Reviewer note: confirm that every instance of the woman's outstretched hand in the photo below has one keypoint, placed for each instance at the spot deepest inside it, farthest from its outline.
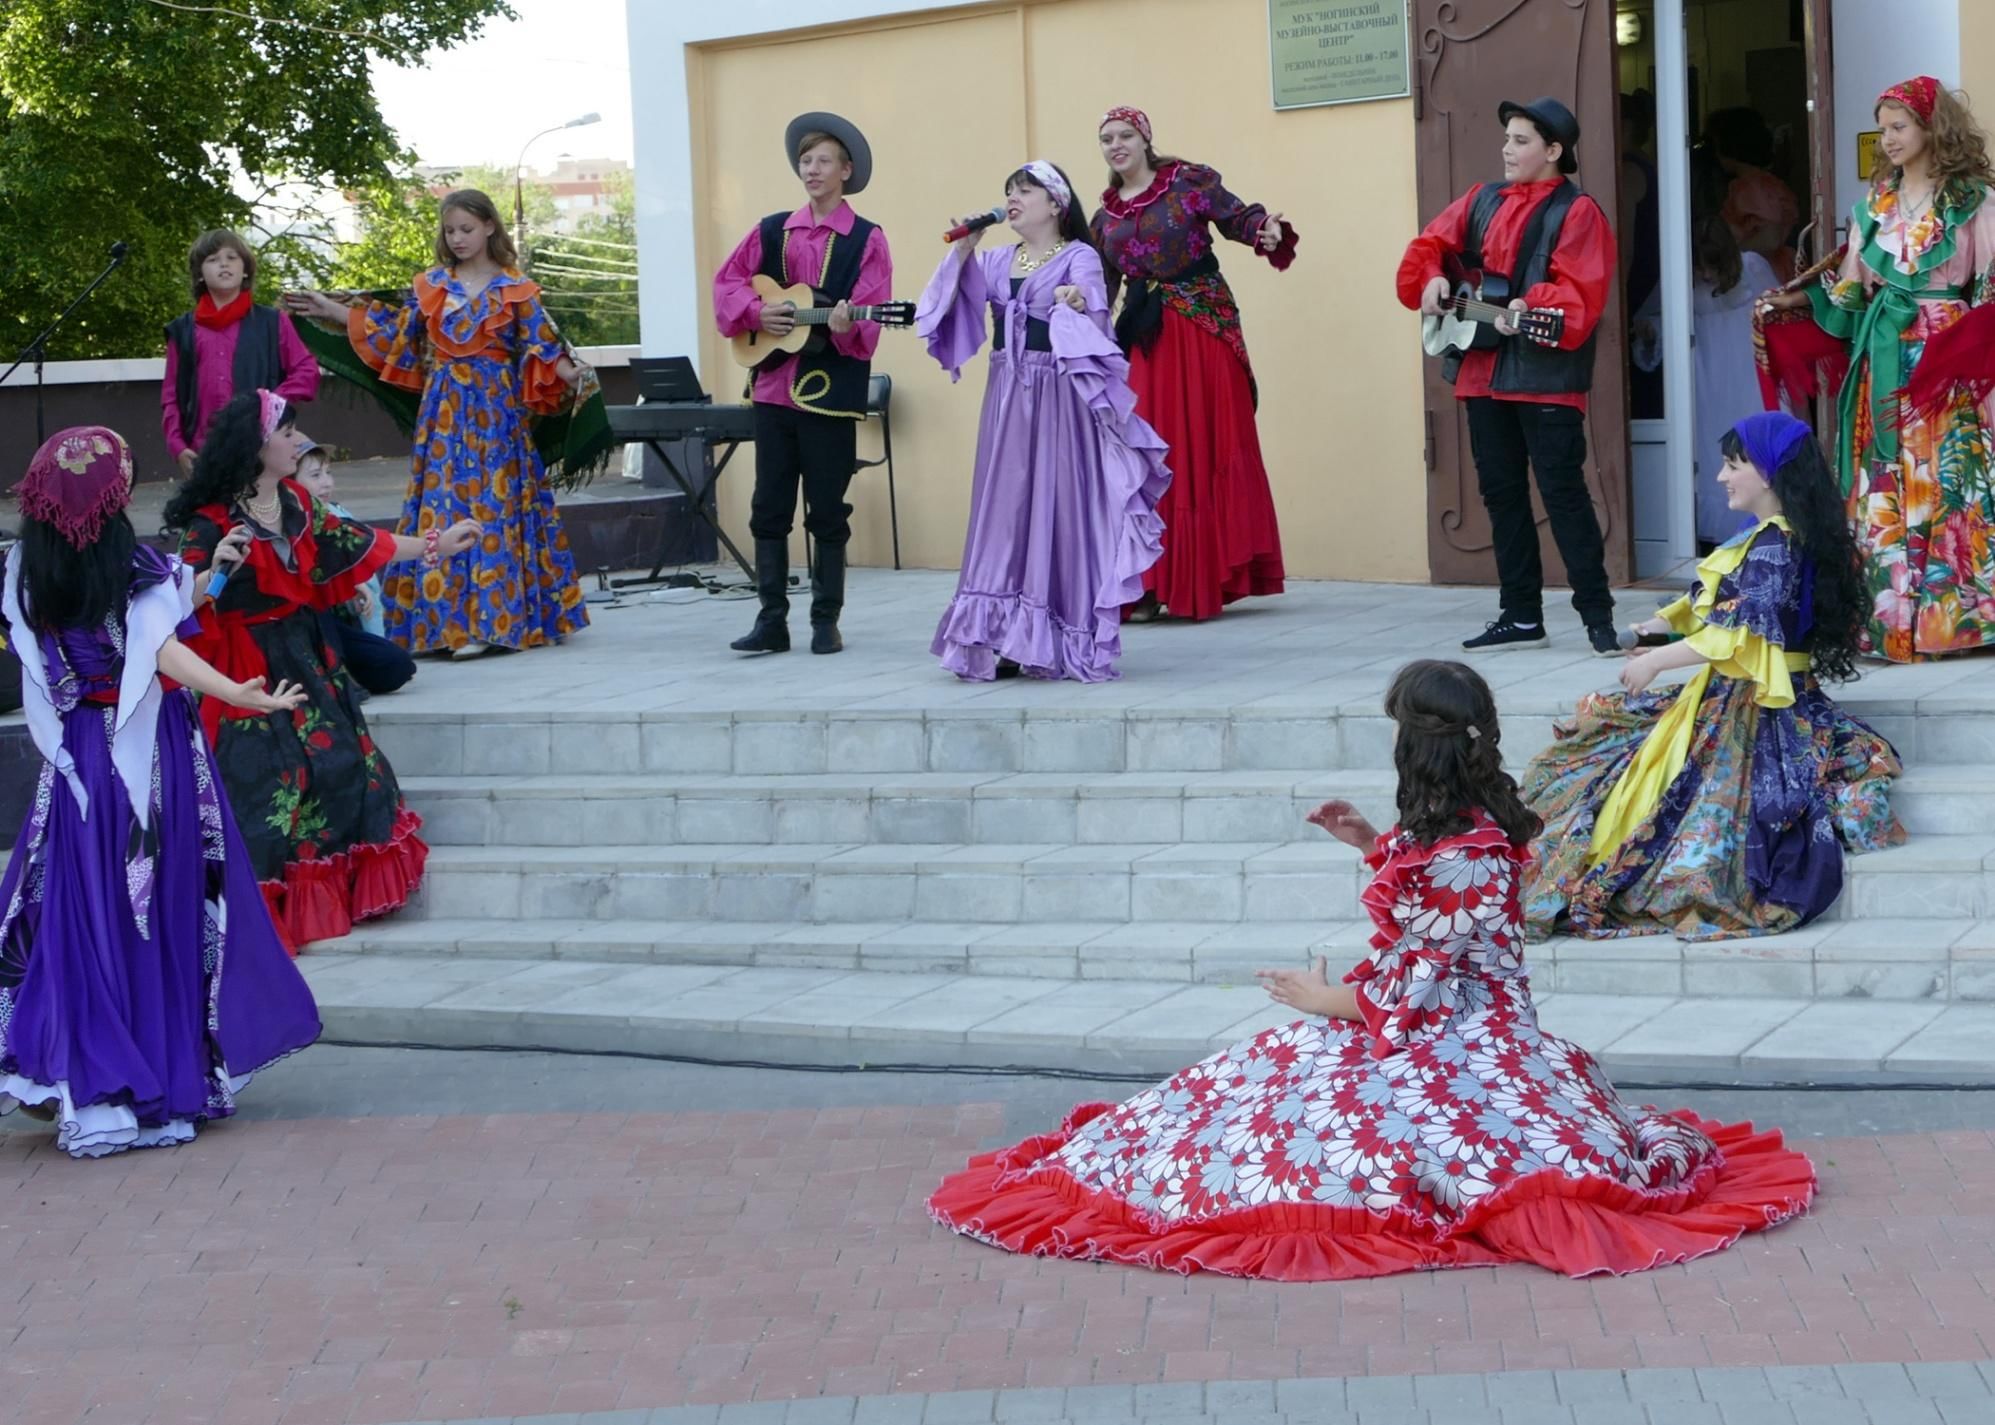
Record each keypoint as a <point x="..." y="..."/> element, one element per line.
<point x="459" y="537"/>
<point x="253" y="695"/>
<point x="1342" y="821"/>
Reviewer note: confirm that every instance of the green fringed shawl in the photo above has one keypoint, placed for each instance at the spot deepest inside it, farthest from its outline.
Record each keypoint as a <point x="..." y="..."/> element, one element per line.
<point x="575" y="444"/>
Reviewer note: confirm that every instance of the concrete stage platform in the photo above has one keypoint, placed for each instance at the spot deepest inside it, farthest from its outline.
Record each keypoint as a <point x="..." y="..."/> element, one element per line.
<point x="644" y="842"/>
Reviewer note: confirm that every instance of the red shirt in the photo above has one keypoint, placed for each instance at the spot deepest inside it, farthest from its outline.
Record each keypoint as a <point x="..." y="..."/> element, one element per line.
<point x="1580" y="283"/>
<point x="737" y="308"/>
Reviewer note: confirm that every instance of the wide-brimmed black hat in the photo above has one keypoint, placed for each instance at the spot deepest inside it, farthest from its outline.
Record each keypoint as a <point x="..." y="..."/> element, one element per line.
<point x="845" y="131"/>
<point x="1554" y="120"/>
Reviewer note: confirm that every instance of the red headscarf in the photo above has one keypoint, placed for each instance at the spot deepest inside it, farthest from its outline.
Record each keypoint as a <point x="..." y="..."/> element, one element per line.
<point x="1919" y="95"/>
<point x="78" y="480"/>
<point x="1135" y="118"/>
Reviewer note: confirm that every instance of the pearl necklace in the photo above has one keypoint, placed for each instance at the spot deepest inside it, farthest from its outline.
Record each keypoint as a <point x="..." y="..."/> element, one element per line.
<point x="1028" y="263"/>
<point x="266" y="514"/>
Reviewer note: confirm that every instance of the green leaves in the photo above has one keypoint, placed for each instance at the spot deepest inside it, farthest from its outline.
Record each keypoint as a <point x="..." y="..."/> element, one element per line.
<point x="128" y="120"/>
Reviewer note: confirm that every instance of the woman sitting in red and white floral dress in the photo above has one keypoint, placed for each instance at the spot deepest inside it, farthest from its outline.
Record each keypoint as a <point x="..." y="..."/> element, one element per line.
<point x="1416" y="1117"/>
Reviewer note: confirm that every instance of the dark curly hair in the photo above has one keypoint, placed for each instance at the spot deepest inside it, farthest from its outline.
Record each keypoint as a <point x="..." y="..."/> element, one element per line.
<point x="230" y="460"/>
<point x="1813" y="503"/>
<point x="1449" y="755"/>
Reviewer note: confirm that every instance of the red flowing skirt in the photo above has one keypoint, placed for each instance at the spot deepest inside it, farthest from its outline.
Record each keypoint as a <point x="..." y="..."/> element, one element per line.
<point x="1022" y="1200"/>
<point x="1221" y="542"/>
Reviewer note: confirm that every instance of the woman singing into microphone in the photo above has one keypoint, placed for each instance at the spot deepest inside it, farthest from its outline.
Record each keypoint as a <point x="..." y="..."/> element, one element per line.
<point x="1063" y="505"/>
<point x="1188" y="365"/>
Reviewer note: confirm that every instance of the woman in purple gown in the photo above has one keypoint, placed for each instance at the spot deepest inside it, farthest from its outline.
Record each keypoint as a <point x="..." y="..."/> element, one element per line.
<point x="1063" y="504"/>
<point x="141" y="981"/>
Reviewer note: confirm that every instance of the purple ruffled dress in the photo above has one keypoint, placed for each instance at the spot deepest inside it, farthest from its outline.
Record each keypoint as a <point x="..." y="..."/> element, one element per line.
<point x="1063" y="505"/>
<point x="141" y="980"/>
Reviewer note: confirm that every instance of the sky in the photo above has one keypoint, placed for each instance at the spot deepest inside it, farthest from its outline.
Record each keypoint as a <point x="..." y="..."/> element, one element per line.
<point x="478" y="103"/>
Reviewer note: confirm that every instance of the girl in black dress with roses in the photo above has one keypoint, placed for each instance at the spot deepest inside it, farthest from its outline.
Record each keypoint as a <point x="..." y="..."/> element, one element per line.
<point x="328" y="836"/>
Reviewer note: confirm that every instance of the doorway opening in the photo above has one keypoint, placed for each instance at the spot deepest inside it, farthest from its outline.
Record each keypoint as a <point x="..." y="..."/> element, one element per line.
<point x="1724" y="109"/>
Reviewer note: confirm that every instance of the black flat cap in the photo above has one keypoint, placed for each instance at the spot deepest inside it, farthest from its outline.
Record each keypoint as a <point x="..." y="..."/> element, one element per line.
<point x="1554" y="120"/>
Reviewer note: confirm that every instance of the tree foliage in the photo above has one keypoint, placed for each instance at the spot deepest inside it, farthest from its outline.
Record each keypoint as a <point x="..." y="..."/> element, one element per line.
<point x="129" y="120"/>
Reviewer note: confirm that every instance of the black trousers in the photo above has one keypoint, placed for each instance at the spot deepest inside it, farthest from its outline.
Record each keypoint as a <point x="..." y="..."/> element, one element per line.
<point x="1510" y="439"/>
<point x="378" y="664"/>
<point x="820" y="452"/>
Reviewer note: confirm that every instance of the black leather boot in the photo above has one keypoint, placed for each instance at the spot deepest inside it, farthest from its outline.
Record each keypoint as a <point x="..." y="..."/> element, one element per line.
<point x="771" y="633"/>
<point x="827" y="599"/>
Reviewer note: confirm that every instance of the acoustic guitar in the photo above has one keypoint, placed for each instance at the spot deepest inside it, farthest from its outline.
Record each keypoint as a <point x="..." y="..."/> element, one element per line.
<point x="756" y="349"/>
<point x="1469" y="316"/>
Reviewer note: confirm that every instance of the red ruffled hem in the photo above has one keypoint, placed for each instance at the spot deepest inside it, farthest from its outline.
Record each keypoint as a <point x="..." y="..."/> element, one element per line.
<point x="322" y="899"/>
<point x="1575" y="1226"/>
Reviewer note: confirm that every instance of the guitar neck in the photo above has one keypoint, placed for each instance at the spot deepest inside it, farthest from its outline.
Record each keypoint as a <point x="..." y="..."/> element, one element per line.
<point x="818" y="316"/>
<point x="1476" y="311"/>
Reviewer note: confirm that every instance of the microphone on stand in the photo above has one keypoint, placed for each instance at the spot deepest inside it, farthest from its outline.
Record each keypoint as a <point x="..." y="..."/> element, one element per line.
<point x="118" y="251"/>
<point x="976" y="224"/>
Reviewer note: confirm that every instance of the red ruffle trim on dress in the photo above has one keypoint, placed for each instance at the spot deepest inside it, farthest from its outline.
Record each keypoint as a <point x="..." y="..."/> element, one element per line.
<point x="322" y="899"/>
<point x="1574" y="1226"/>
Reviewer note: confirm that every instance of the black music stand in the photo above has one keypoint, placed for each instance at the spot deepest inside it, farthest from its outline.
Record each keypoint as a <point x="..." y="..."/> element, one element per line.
<point x="672" y="380"/>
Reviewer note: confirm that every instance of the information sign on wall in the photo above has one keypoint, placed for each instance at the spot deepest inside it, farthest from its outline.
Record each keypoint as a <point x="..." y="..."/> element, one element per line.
<point x="1337" y="51"/>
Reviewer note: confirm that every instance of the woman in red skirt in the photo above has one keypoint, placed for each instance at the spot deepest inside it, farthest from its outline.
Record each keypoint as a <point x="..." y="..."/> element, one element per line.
<point x="1188" y="366"/>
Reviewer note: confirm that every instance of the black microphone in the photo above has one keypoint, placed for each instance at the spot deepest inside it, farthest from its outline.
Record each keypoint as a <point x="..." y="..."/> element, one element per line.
<point x="1630" y="639"/>
<point x="118" y="251"/>
<point x="976" y="224"/>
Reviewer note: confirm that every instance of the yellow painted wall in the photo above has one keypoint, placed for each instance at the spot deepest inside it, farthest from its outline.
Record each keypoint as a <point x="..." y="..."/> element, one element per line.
<point x="1977" y="55"/>
<point x="954" y="101"/>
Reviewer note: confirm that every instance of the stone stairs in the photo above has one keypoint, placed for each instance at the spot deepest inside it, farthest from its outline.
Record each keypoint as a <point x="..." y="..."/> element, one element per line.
<point x="644" y="843"/>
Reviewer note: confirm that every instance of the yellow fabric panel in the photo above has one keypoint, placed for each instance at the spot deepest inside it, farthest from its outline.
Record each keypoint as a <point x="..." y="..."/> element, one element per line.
<point x="1640" y="790"/>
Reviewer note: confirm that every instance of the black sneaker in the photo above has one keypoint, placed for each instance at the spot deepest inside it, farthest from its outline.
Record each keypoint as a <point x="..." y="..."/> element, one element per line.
<point x="1605" y="638"/>
<point x="1504" y="633"/>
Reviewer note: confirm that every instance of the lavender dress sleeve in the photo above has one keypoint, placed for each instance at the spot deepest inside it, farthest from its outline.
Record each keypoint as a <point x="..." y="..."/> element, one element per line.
<point x="950" y="318"/>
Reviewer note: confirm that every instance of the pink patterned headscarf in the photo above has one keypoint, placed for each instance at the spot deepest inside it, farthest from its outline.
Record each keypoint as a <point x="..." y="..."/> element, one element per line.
<point x="1135" y="118"/>
<point x="1920" y="95"/>
<point x="78" y="480"/>
<point x="274" y="407"/>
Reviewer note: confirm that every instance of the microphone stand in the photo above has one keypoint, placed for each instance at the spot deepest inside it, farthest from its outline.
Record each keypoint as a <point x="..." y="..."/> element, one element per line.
<point x="37" y="350"/>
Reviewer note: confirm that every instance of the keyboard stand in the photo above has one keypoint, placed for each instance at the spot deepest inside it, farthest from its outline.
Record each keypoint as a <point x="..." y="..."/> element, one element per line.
<point x="702" y="506"/>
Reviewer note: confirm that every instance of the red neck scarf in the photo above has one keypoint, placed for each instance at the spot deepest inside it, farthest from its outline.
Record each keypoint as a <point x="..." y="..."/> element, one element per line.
<point x="207" y="314"/>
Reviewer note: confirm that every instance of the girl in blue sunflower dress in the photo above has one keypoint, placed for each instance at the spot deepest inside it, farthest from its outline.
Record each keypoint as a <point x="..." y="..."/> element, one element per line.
<point x="1723" y="806"/>
<point x="474" y="339"/>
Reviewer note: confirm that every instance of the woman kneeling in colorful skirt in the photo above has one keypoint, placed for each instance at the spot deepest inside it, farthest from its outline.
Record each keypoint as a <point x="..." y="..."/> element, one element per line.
<point x="1723" y="807"/>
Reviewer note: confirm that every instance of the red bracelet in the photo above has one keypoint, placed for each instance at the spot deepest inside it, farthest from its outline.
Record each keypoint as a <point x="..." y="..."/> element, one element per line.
<point x="432" y="555"/>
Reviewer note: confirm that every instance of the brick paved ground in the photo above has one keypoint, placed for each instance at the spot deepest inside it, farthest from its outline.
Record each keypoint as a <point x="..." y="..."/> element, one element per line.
<point x="299" y="1270"/>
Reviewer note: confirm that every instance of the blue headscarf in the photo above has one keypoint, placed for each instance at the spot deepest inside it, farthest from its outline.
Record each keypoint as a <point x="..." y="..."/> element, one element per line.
<point x="1770" y="439"/>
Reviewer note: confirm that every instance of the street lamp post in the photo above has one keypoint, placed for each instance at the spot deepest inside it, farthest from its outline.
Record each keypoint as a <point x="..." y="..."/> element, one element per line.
<point x="519" y="202"/>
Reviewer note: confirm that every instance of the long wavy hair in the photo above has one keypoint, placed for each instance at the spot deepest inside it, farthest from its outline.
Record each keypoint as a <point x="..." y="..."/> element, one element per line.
<point x="66" y="587"/>
<point x="230" y="460"/>
<point x="1449" y="755"/>
<point x="1073" y="226"/>
<point x="1813" y="503"/>
<point x="1958" y="148"/>
<point x="498" y="246"/>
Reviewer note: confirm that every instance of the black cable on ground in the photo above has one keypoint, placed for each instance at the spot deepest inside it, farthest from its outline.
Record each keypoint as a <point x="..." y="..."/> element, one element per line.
<point x="1030" y="1071"/>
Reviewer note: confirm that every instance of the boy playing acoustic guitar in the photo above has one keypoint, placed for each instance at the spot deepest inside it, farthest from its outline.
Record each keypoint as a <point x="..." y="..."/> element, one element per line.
<point x="808" y="407"/>
<point x="1527" y="399"/>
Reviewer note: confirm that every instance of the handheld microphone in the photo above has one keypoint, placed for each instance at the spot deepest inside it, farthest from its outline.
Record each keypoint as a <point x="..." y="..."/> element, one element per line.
<point x="976" y="224"/>
<point x="1630" y="639"/>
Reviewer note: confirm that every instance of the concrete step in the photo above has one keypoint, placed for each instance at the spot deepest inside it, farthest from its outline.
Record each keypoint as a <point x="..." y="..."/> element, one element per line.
<point x="981" y="807"/>
<point x="1930" y="878"/>
<point x="1316" y="727"/>
<point x="816" y="883"/>
<point x="1134" y="1026"/>
<point x="1859" y="959"/>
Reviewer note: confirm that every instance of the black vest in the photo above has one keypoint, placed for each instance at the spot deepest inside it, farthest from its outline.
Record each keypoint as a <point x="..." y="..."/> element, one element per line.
<point x="827" y="382"/>
<point x="1524" y="367"/>
<point x="257" y="365"/>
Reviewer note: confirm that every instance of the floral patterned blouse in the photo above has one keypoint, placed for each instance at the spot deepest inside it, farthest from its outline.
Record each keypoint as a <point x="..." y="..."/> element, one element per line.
<point x="1167" y="228"/>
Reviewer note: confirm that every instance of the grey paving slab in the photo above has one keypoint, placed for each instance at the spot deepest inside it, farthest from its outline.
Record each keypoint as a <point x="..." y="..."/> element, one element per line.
<point x="1960" y="1040"/>
<point x="1716" y="1033"/>
<point x="1835" y="1034"/>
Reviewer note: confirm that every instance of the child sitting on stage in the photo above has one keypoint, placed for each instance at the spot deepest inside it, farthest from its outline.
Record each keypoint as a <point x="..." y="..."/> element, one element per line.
<point x="1414" y="1116"/>
<point x="355" y="629"/>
